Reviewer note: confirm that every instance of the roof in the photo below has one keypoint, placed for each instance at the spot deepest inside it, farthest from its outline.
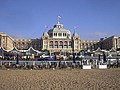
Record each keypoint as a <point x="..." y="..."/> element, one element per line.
<point x="45" y="34"/>
<point x="75" y="34"/>
<point x="59" y="28"/>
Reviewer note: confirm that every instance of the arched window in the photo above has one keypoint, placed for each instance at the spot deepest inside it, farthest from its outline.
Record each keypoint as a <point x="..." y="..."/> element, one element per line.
<point x="70" y="44"/>
<point x="65" y="44"/>
<point x="61" y="44"/>
<point x="56" y="44"/>
<point x="51" y="44"/>
<point x="23" y="43"/>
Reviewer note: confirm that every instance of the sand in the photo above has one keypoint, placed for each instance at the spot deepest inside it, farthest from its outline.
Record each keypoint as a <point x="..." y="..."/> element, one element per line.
<point x="65" y="79"/>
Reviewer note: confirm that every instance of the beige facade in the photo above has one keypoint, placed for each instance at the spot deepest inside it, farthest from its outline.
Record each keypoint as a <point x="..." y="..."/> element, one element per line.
<point x="36" y="44"/>
<point x="22" y="44"/>
<point x="88" y="44"/>
<point x="109" y="43"/>
<point x="59" y="39"/>
<point x="6" y="41"/>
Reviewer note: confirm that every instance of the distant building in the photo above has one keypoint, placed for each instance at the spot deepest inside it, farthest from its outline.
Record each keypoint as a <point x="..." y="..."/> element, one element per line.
<point x="88" y="44"/>
<point x="6" y="41"/>
<point x="59" y="40"/>
<point x="36" y="44"/>
<point x="109" y="43"/>
<point x="22" y="43"/>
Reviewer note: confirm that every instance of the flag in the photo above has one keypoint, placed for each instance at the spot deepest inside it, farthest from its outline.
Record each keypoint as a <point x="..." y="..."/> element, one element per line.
<point x="59" y="16"/>
<point x="46" y="26"/>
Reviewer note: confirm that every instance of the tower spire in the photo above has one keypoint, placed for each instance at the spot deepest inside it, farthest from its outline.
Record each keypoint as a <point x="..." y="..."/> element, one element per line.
<point x="75" y="27"/>
<point x="74" y="33"/>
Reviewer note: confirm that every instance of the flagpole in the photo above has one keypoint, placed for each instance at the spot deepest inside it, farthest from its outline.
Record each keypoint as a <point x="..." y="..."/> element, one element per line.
<point x="59" y="19"/>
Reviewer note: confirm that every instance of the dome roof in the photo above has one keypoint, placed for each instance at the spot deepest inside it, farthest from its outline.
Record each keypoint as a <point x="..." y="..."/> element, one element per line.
<point x="59" y="28"/>
<point x="75" y="34"/>
<point x="45" y="34"/>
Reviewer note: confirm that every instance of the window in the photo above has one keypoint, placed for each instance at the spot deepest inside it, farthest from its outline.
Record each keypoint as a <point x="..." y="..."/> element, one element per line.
<point x="76" y="42"/>
<point x="59" y="34"/>
<point x="55" y="34"/>
<point x="76" y="46"/>
<point x="51" y="44"/>
<point x="70" y="44"/>
<point x="119" y="43"/>
<point x="23" y="43"/>
<point x="56" y="44"/>
<point x="61" y="44"/>
<point x="64" y="34"/>
<point x="45" y="46"/>
<point x="65" y="44"/>
<point x="45" y="42"/>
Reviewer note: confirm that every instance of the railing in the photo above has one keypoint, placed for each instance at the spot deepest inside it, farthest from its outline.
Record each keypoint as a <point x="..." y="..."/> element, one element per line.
<point x="34" y="64"/>
<point x="39" y="64"/>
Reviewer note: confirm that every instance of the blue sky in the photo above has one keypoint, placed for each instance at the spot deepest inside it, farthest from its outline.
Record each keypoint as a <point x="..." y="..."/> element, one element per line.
<point x="27" y="18"/>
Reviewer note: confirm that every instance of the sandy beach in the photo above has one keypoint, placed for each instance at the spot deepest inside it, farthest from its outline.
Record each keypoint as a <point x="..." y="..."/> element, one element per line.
<point x="65" y="79"/>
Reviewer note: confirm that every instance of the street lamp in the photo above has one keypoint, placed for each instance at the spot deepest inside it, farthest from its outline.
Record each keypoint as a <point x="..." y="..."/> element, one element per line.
<point x="109" y="59"/>
<point x="74" y="45"/>
<point x="104" y="57"/>
<point x="17" y="59"/>
<point x="73" y="53"/>
<point x="117" y="60"/>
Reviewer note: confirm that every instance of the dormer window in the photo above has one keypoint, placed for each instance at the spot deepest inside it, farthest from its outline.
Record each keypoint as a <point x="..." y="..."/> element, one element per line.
<point x="55" y="34"/>
<point x="59" y="34"/>
<point x="64" y="34"/>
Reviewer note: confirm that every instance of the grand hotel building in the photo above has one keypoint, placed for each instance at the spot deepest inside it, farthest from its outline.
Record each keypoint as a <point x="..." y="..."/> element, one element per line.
<point x="60" y="40"/>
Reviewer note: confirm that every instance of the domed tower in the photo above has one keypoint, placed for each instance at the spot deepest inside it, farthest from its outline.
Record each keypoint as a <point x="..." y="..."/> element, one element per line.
<point x="58" y="40"/>
<point x="58" y="31"/>
<point x="44" y="41"/>
<point x="45" y="35"/>
<point x="75" y="42"/>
